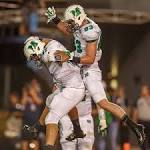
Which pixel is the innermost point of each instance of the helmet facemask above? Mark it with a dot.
(35, 57)
(72, 26)
(35, 61)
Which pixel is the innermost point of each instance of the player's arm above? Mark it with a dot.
(91, 37)
(62, 27)
(91, 48)
(88, 58)
(52, 17)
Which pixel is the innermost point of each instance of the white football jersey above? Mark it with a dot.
(66, 74)
(88, 32)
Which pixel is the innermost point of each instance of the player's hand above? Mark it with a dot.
(61, 56)
(50, 13)
(102, 128)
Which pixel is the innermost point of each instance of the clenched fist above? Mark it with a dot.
(61, 56)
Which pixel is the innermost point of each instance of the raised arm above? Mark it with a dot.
(52, 17)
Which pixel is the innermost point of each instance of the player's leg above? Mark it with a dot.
(47, 108)
(122, 115)
(51, 130)
(61, 105)
(77, 131)
(65, 128)
(94, 85)
(68, 145)
(87, 125)
(43, 116)
(51, 133)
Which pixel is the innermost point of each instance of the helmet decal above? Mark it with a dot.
(76, 12)
(32, 45)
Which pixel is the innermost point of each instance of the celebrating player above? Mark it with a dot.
(66, 74)
(86, 121)
(87, 54)
(66, 127)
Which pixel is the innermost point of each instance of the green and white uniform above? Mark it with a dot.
(87, 125)
(69, 77)
(87, 33)
(91, 73)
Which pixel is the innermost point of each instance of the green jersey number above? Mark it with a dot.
(78, 46)
(88, 28)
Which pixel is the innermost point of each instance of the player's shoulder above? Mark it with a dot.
(50, 49)
(54, 44)
(90, 31)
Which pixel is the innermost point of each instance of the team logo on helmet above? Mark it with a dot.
(74, 14)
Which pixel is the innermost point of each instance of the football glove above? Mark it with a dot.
(50, 13)
(102, 125)
(102, 128)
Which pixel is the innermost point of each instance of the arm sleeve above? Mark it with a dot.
(91, 34)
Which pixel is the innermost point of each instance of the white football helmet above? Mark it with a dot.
(33, 46)
(76, 13)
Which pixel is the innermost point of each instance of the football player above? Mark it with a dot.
(66, 127)
(66, 74)
(86, 121)
(87, 36)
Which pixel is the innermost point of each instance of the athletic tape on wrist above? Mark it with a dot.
(76, 60)
(56, 20)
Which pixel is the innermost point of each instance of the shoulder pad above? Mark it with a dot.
(91, 33)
